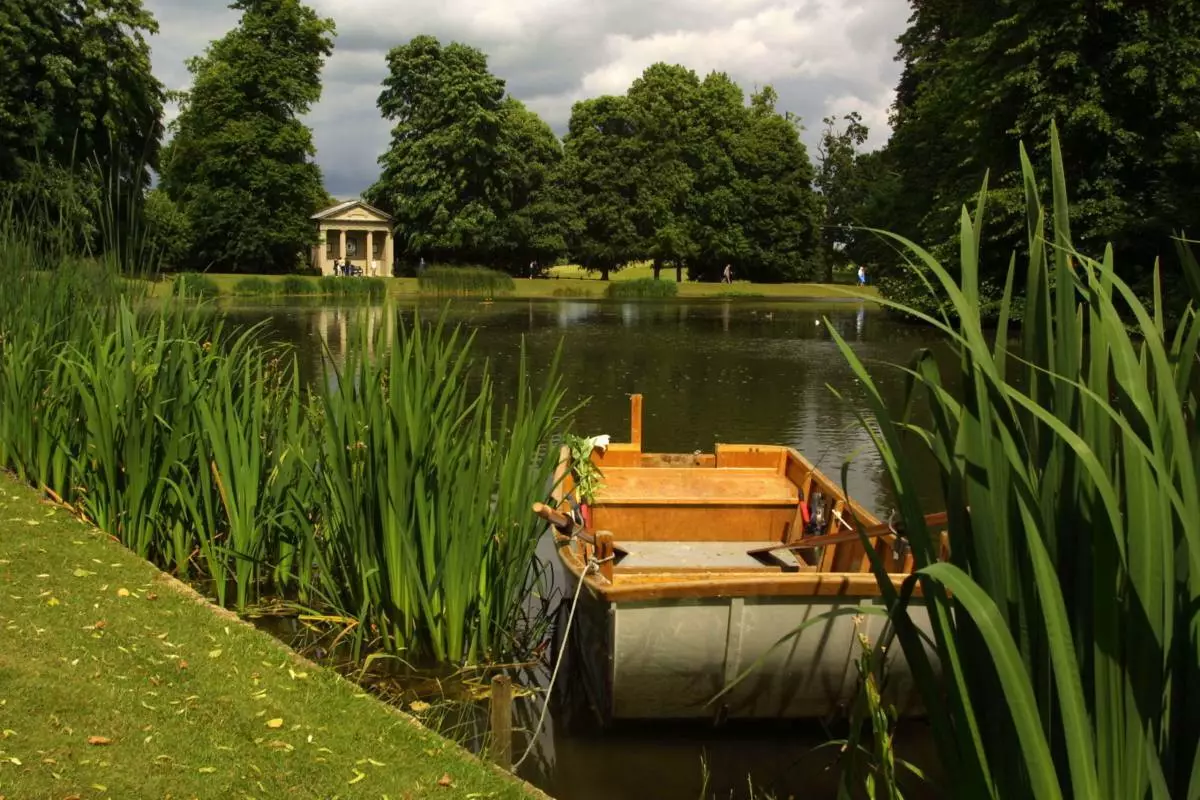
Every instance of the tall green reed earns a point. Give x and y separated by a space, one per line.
424 495
465 281
1065 619
397 492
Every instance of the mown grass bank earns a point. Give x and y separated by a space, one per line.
118 681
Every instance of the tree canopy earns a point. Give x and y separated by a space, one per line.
1121 81
80 109
241 165
469 172
682 172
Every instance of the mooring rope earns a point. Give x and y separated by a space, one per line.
592 566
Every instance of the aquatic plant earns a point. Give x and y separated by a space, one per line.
295 285
254 285
335 286
1064 620
424 495
465 281
192 284
199 449
641 288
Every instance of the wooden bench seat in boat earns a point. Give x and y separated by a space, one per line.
695 486
677 504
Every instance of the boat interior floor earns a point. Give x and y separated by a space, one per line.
650 556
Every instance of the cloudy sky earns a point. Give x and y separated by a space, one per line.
822 56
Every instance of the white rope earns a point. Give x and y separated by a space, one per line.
592 566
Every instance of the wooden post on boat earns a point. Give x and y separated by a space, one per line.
604 553
635 420
500 747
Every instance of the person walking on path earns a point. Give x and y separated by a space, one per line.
862 275
728 276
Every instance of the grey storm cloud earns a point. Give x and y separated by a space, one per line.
824 57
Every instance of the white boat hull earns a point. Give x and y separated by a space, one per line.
668 659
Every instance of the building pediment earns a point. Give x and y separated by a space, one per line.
352 211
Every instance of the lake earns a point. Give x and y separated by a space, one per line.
710 371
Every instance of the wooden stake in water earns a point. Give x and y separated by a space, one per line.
501 721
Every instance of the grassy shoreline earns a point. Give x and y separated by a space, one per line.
571 286
118 681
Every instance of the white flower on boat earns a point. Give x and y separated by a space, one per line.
600 442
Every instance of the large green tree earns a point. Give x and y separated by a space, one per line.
683 173
842 188
779 211
469 174
601 170
1120 79
80 109
241 162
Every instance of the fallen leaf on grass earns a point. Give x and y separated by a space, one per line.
100 740
275 723
53 601
182 664
214 653
445 780
122 592
418 706
99 625
358 776
151 596
207 770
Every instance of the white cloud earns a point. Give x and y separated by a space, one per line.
822 56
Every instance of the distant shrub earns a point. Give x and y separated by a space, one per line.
642 287
374 288
571 291
253 286
465 281
295 284
192 284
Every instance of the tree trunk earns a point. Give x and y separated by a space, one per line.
657 268
679 273
828 276
604 273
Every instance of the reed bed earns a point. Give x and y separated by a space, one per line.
193 284
393 498
296 285
478 281
254 286
1065 620
374 288
641 288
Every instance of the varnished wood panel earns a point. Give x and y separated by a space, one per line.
707 523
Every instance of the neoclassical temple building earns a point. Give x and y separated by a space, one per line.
357 231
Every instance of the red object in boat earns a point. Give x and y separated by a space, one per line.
586 512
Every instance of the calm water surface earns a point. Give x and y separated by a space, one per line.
710 371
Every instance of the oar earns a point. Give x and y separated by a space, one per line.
561 522
882 529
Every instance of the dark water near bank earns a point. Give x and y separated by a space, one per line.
710 371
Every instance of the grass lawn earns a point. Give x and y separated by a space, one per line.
117 681
568 281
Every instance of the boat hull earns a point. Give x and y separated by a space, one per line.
669 658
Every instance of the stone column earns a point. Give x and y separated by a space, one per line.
342 244
389 258
370 253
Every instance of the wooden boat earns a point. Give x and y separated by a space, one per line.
693 581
